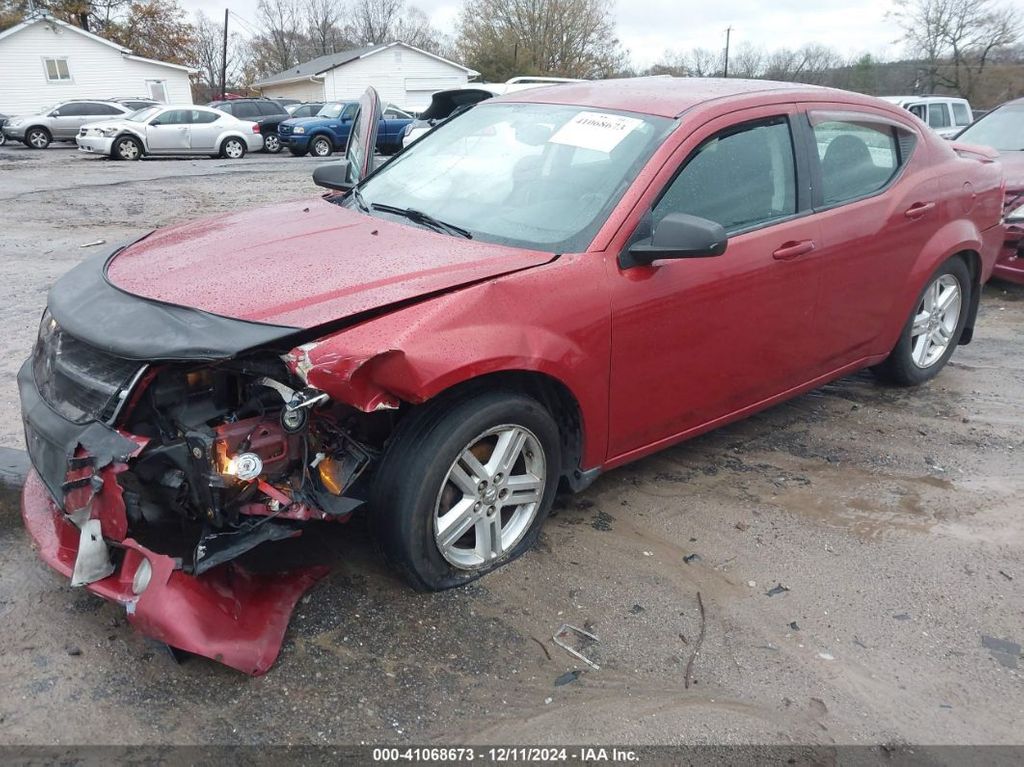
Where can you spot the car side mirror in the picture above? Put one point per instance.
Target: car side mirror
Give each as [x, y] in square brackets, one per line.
[334, 175]
[677, 235]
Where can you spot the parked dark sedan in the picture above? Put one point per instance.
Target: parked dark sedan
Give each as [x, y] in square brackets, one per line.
[267, 113]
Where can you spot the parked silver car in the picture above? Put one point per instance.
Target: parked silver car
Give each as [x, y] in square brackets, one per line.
[173, 130]
[61, 122]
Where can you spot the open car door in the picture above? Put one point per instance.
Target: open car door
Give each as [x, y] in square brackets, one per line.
[363, 138]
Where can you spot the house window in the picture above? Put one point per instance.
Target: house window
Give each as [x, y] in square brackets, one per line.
[57, 69]
[157, 90]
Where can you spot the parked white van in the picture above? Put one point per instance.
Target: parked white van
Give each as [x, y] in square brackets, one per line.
[946, 115]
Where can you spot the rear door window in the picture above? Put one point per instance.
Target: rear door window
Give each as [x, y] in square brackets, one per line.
[938, 116]
[743, 177]
[961, 114]
[857, 155]
[200, 116]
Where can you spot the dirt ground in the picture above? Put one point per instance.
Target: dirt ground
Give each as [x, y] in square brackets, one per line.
[892, 518]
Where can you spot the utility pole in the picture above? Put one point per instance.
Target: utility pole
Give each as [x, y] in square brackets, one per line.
[224, 60]
[725, 68]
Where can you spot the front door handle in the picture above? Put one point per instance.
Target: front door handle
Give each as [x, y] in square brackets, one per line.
[918, 209]
[791, 250]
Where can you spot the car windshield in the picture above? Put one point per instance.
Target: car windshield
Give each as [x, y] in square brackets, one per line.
[141, 115]
[1001, 129]
[539, 176]
[330, 110]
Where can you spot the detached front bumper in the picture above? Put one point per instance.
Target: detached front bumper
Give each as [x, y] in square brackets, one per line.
[1010, 263]
[228, 614]
[95, 144]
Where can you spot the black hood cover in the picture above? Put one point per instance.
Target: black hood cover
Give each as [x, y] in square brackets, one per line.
[89, 308]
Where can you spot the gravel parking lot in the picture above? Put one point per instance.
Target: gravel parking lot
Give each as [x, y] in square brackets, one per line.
[857, 551]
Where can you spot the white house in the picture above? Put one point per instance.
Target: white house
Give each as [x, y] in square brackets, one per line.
[403, 75]
[44, 60]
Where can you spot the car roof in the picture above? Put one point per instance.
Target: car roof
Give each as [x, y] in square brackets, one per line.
[921, 99]
[665, 96]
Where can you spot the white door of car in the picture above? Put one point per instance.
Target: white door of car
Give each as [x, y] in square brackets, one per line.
[170, 132]
[206, 127]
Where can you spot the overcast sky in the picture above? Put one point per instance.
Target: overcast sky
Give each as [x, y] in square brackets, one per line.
[649, 27]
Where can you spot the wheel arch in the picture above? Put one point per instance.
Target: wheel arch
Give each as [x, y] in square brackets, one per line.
[556, 397]
[957, 238]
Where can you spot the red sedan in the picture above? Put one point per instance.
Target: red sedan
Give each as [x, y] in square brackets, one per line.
[543, 288]
[1003, 129]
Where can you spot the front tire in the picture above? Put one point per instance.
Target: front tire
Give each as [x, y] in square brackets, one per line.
[127, 148]
[233, 148]
[933, 329]
[464, 487]
[272, 144]
[38, 138]
[321, 147]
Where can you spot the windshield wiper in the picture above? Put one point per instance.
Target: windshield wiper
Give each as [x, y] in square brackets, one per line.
[419, 217]
[358, 197]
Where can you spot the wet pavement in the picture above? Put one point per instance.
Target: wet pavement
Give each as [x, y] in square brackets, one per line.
[890, 518]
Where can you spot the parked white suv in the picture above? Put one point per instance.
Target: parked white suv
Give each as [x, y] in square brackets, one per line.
[946, 115]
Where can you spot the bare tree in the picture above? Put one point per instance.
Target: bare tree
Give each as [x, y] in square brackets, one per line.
[283, 43]
[323, 27]
[571, 38]
[374, 21]
[956, 39]
[748, 61]
[206, 55]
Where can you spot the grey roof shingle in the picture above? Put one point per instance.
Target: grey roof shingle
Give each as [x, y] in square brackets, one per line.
[319, 64]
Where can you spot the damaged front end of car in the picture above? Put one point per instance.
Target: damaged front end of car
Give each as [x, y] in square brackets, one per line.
[167, 444]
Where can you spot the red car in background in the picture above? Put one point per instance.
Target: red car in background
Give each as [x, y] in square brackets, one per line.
[554, 283]
[1003, 129]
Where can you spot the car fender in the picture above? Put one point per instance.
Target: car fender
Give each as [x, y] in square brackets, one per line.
[137, 135]
[331, 136]
[511, 324]
[956, 236]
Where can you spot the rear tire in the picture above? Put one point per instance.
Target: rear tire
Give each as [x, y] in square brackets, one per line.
[37, 138]
[127, 148]
[321, 147]
[233, 148]
[933, 329]
[446, 509]
[272, 144]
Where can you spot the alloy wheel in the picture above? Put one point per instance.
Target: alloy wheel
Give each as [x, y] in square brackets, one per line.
[321, 148]
[272, 144]
[490, 496]
[935, 320]
[38, 139]
[233, 149]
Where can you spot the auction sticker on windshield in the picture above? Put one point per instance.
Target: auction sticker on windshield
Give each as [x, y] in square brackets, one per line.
[595, 130]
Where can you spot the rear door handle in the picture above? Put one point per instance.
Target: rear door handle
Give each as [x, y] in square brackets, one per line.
[918, 209]
[791, 250]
